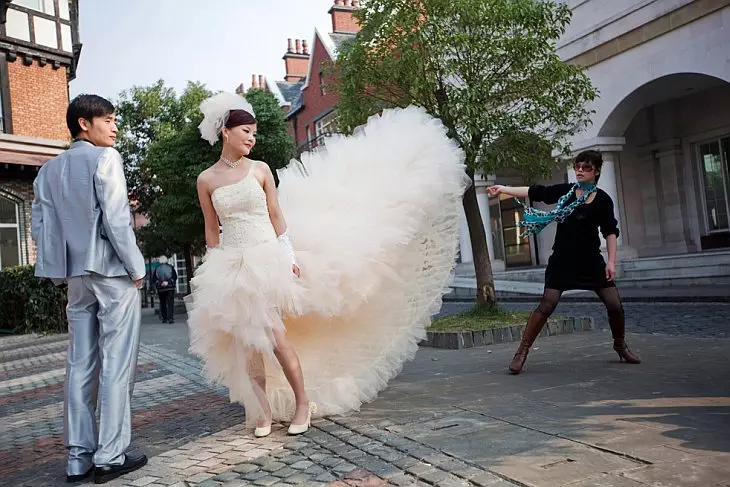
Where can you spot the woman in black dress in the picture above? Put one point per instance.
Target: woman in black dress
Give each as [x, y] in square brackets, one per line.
[576, 263]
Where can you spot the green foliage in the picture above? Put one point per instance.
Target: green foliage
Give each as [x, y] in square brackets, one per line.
[487, 68]
[274, 144]
[143, 113]
[30, 305]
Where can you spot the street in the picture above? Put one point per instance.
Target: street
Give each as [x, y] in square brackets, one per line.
[576, 416]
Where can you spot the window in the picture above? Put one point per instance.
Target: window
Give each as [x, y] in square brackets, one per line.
[322, 84]
[714, 157]
[45, 6]
[9, 234]
[182, 274]
[326, 126]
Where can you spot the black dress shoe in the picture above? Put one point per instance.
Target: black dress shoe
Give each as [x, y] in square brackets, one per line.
[80, 477]
[106, 473]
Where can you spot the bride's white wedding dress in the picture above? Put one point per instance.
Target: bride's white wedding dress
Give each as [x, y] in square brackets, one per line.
[374, 222]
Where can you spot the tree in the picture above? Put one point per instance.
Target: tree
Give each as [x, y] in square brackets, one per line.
[143, 113]
[172, 160]
[274, 144]
[488, 69]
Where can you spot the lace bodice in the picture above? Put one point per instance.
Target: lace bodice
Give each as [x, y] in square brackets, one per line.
[243, 213]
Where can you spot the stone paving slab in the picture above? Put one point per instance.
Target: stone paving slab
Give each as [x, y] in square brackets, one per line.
[576, 417]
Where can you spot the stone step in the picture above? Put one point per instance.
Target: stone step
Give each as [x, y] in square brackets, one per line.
[704, 259]
[679, 272]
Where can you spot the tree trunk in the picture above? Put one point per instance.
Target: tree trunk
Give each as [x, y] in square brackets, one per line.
[480, 251]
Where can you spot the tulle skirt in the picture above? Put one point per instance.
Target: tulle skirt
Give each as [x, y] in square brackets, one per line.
[374, 220]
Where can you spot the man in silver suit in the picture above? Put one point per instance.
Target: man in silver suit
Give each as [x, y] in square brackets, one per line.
[82, 227]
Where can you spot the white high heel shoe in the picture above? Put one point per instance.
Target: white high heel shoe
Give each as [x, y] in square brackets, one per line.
[298, 429]
[262, 431]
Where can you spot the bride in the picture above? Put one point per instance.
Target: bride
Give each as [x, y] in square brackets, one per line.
[314, 313]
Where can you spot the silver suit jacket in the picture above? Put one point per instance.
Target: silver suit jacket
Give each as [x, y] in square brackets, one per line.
[81, 220]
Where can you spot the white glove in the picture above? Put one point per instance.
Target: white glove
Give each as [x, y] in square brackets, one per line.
[284, 240]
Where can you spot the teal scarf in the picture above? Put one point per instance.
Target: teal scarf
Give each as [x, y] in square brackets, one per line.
[534, 220]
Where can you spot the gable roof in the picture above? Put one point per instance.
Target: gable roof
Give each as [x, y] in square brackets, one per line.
[331, 43]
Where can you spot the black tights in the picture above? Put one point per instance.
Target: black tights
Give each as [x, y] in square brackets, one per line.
[549, 301]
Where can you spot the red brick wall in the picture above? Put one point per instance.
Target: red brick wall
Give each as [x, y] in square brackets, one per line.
[296, 68]
[20, 191]
[344, 21]
[38, 97]
[314, 102]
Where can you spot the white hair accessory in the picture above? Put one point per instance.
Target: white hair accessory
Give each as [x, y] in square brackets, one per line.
[215, 113]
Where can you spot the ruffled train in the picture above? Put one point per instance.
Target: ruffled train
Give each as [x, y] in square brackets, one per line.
[374, 220]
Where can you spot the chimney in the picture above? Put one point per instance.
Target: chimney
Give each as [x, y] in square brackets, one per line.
[296, 60]
[262, 82]
[343, 20]
[240, 90]
[254, 82]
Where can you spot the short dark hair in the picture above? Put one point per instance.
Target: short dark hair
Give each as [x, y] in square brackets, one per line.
[87, 107]
[592, 157]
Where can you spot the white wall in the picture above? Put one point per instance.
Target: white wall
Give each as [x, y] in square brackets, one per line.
[700, 47]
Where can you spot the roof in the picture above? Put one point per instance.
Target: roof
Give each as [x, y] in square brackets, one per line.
[290, 90]
[339, 38]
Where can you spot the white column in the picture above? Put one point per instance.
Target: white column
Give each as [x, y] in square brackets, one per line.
[607, 182]
[464, 240]
[483, 200]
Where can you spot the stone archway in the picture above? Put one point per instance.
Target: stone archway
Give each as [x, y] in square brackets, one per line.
[656, 91]
[657, 131]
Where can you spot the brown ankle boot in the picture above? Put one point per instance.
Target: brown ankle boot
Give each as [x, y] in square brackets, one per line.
[532, 330]
[518, 361]
[624, 354]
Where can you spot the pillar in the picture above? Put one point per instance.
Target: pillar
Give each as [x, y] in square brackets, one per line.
[481, 184]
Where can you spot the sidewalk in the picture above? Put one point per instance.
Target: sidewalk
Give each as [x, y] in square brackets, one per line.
[464, 288]
[575, 418]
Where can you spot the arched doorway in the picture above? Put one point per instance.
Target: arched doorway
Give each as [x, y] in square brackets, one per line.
[9, 233]
[674, 164]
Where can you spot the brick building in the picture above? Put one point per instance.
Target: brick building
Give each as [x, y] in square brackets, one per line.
[39, 51]
[303, 95]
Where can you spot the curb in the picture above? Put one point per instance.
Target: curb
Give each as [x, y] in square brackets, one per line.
[457, 340]
[467, 294]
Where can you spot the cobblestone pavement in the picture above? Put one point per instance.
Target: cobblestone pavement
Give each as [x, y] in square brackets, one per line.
[452, 418]
[193, 436]
[687, 319]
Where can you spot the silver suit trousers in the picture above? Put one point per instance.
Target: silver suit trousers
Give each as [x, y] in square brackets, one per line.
[104, 321]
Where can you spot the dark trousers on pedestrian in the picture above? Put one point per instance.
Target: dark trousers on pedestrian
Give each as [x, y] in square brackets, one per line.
[167, 304]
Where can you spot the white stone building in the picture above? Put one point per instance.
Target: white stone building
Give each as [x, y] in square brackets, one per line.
[663, 124]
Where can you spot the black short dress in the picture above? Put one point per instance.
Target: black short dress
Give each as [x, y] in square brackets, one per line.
[576, 262]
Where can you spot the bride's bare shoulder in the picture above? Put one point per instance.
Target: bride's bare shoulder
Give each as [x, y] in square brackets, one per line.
[207, 176]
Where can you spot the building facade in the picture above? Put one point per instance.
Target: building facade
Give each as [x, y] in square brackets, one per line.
[303, 94]
[39, 51]
[662, 122]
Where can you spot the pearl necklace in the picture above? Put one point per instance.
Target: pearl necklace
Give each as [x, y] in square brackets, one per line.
[232, 163]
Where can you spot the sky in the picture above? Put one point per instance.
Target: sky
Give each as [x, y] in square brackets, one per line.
[218, 42]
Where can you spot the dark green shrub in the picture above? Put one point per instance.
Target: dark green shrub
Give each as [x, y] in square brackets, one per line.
[29, 304]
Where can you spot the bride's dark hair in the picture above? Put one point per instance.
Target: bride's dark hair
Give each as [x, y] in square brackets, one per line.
[239, 117]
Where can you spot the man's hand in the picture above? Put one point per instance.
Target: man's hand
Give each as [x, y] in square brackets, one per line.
[610, 271]
[296, 271]
[163, 283]
[138, 283]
